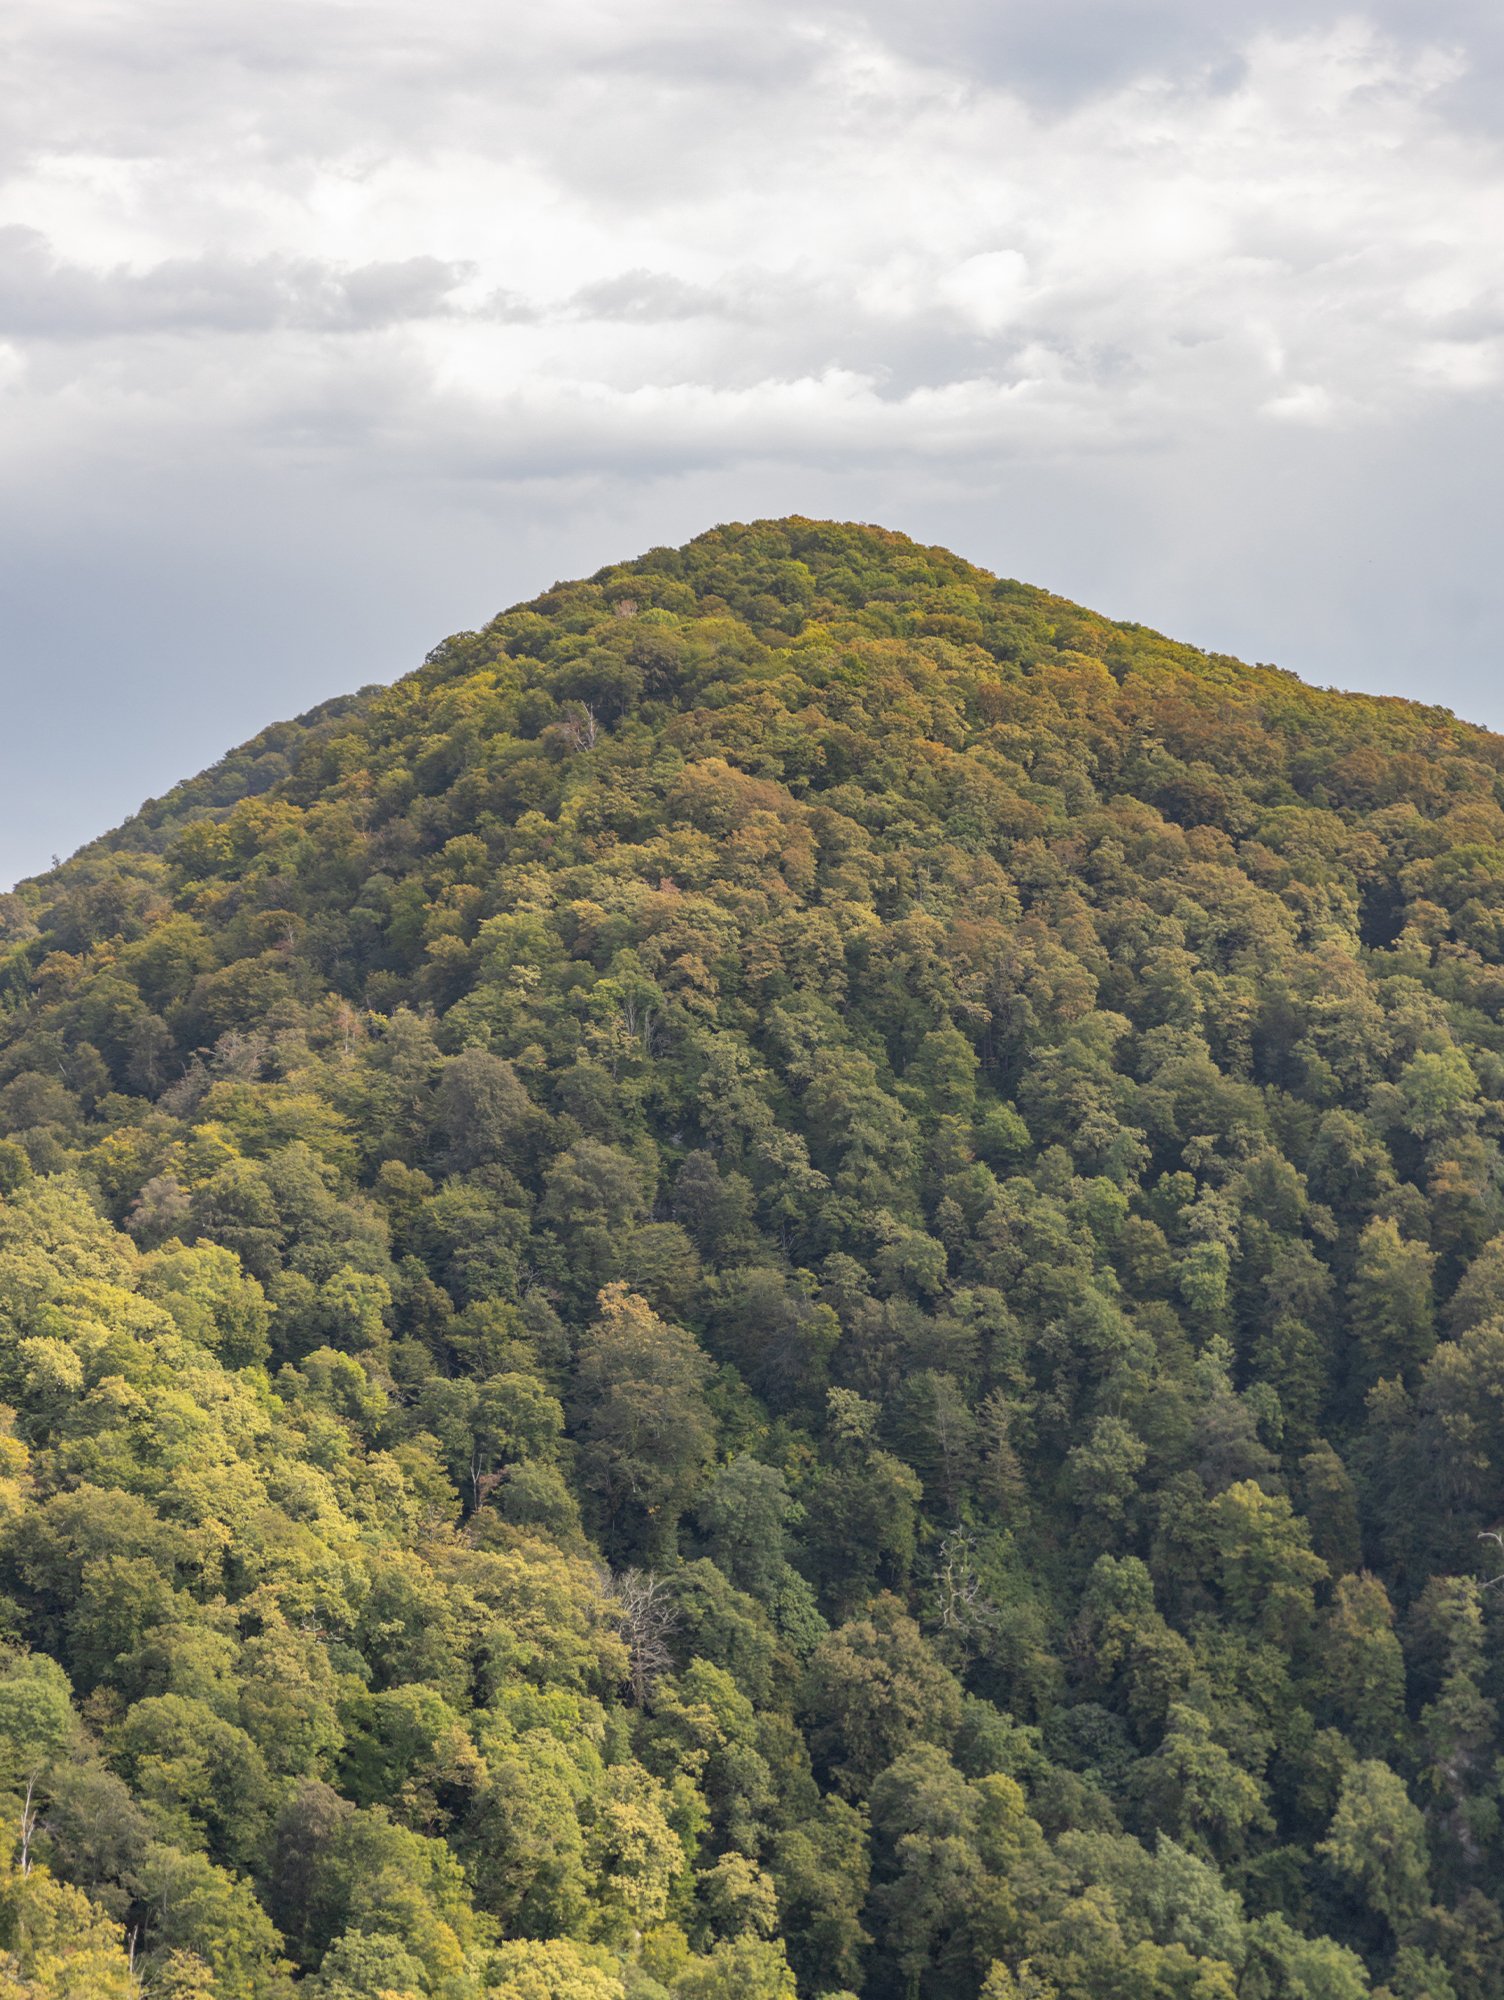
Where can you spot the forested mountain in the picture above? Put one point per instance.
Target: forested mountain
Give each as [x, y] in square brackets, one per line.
[792, 1276]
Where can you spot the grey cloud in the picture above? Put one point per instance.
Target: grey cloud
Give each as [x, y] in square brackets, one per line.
[384, 294]
[510, 309]
[41, 295]
[1070, 50]
[645, 296]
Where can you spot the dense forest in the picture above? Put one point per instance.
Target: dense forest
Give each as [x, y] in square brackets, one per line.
[788, 1280]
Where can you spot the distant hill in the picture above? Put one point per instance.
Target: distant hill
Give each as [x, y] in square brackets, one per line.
[793, 1273]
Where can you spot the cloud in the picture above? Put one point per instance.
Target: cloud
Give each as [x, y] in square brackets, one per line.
[45, 298]
[646, 296]
[536, 284]
[655, 236]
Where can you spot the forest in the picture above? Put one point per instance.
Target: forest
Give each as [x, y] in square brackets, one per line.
[786, 1283]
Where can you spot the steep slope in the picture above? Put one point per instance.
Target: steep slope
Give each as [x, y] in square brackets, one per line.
[948, 1142]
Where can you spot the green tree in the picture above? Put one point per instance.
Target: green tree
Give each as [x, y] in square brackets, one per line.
[37, 1722]
[1377, 1843]
[1103, 1472]
[646, 1433]
[872, 1690]
[1283, 1965]
[931, 1879]
[1392, 1309]
[527, 1970]
[212, 1300]
[200, 1780]
[1331, 1507]
[741, 1511]
[1198, 1791]
[595, 1196]
[1268, 1567]
[821, 1868]
[743, 1969]
[1364, 1669]
[364, 1967]
[1460, 1725]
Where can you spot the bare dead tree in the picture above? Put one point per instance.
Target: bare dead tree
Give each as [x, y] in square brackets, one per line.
[579, 728]
[963, 1611]
[640, 1023]
[28, 1823]
[645, 1615]
[238, 1055]
[1493, 1535]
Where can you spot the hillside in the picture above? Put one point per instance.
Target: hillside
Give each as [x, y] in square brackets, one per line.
[790, 1278]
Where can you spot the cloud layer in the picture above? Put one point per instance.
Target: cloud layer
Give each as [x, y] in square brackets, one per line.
[318, 321]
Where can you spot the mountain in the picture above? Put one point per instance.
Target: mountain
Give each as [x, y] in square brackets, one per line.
[790, 1278]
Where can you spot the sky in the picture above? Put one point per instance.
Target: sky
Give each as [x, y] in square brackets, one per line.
[329, 327]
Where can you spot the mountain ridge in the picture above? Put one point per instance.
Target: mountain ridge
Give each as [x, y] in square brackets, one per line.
[867, 619]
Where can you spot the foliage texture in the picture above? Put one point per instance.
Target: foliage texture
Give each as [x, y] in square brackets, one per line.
[787, 1281]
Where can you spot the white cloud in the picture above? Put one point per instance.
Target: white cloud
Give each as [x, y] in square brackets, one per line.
[635, 223]
[616, 263]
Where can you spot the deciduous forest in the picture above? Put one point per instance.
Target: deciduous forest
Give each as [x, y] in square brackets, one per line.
[789, 1280]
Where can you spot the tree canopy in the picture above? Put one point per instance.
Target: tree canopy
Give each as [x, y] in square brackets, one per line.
[787, 1281]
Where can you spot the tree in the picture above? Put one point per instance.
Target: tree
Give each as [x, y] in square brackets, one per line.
[58, 1945]
[777, 1336]
[632, 1850]
[1440, 1091]
[37, 1721]
[743, 1969]
[522, 1838]
[1392, 1309]
[1103, 1471]
[212, 1300]
[872, 1690]
[1198, 1790]
[1331, 1507]
[1480, 1295]
[736, 1899]
[862, 1515]
[1268, 1566]
[1377, 1843]
[200, 1779]
[197, 1908]
[821, 1870]
[483, 1109]
[1168, 1895]
[528, 1970]
[595, 1196]
[1364, 1667]
[1449, 1476]
[646, 1433]
[931, 1878]
[1002, 1983]
[363, 1966]
[1459, 1726]
[1283, 1965]
[741, 1512]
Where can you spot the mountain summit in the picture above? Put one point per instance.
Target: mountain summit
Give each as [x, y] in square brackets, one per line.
[789, 1278]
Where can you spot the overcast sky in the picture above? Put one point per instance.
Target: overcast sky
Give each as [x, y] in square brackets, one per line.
[328, 327]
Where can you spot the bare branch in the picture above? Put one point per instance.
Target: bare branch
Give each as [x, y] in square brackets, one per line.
[645, 1614]
[1493, 1535]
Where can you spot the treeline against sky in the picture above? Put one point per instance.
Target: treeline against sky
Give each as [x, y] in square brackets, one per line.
[789, 1279]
